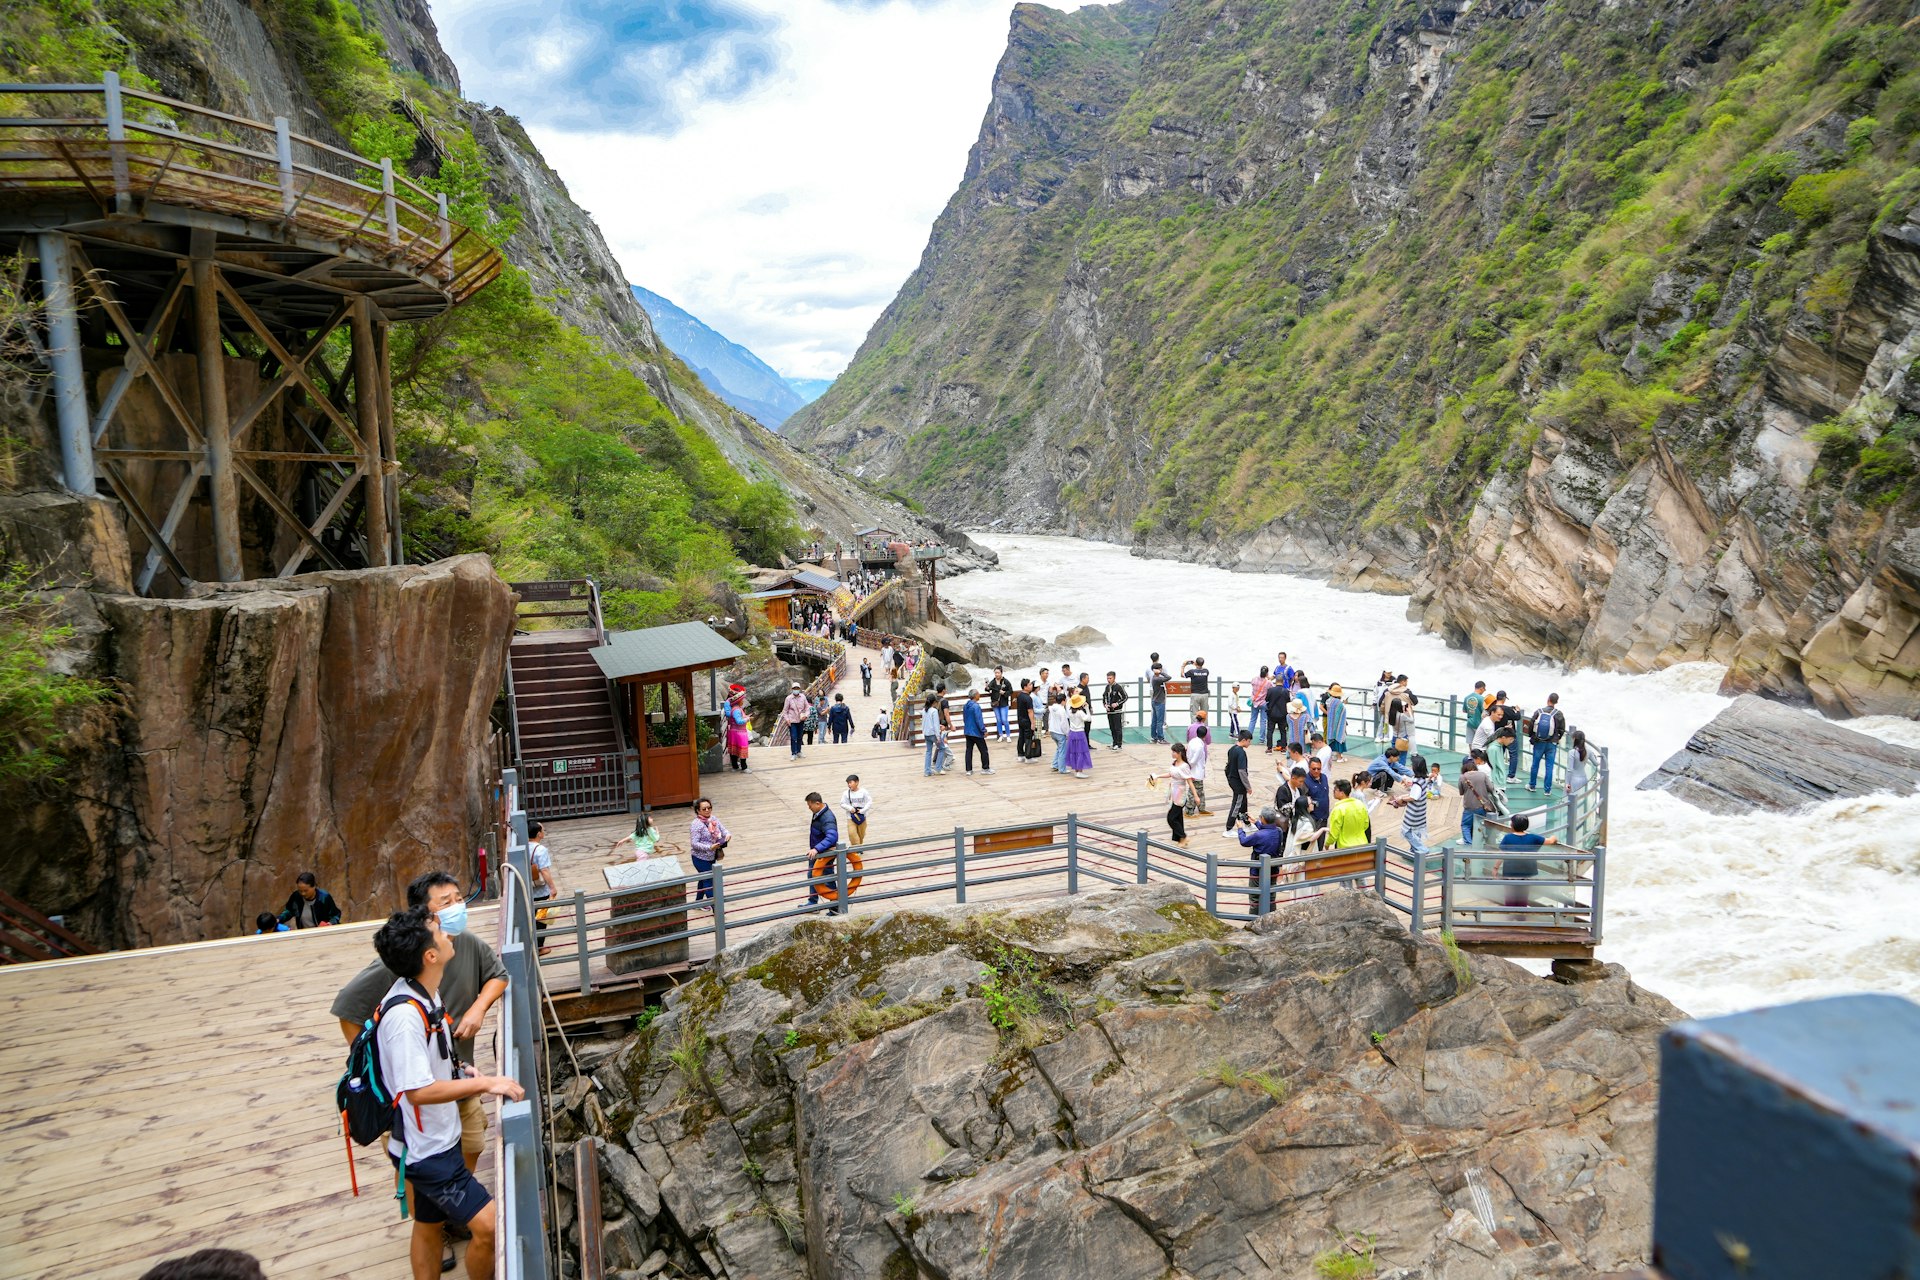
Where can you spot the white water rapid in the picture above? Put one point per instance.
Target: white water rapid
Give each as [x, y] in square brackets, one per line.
[1715, 913]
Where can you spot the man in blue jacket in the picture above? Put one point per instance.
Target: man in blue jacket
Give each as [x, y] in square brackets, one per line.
[973, 723]
[823, 837]
[1264, 841]
[1387, 764]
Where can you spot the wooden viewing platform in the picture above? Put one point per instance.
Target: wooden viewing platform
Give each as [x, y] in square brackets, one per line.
[764, 810]
[179, 1098]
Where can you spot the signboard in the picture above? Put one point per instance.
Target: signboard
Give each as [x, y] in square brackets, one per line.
[579, 764]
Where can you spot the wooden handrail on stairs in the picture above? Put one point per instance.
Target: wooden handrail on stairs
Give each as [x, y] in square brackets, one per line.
[26, 935]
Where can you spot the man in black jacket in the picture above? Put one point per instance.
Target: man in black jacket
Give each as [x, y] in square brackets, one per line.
[310, 906]
[1000, 695]
[1239, 778]
[1277, 696]
[1114, 699]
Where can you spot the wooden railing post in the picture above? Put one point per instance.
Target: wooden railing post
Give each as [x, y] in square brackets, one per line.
[1140, 857]
[117, 142]
[283, 153]
[580, 940]
[1073, 854]
[719, 908]
[960, 864]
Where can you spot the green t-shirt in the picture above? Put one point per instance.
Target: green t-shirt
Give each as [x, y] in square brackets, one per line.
[474, 964]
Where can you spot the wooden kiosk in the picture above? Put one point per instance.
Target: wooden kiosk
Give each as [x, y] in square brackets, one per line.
[652, 671]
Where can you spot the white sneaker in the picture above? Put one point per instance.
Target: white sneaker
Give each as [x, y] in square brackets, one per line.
[986, 771]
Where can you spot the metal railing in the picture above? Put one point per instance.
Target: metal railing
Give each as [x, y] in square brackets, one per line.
[1441, 890]
[126, 149]
[520, 1161]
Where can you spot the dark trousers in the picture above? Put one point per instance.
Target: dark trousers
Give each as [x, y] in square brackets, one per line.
[1117, 726]
[1177, 822]
[703, 865]
[1275, 724]
[840, 735]
[793, 738]
[1238, 809]
[866, 684]
[981, 743]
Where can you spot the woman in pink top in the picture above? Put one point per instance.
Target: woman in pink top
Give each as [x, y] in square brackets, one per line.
[1258, 721]
[1181, 775]
[709, 844]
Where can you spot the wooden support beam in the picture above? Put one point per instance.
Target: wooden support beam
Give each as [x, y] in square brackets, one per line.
[222, 484]
[366, 399]
[296, 367]
[176, 512]
[156, 539]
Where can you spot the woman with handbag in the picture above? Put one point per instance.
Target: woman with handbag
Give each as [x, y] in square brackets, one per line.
[1180, 795]
[708, 843]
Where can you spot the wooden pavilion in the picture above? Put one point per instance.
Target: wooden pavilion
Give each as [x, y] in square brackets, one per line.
[652, 671]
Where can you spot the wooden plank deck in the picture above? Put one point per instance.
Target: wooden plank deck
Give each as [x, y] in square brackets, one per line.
[765, 811]
[180, 1098]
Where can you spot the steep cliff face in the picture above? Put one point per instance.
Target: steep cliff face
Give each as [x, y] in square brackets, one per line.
[1588, 324]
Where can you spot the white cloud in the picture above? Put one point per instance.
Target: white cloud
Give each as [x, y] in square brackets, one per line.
[786, 216]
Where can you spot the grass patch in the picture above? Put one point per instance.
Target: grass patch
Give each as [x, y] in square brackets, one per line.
[1349, 1258]
[1457, 959]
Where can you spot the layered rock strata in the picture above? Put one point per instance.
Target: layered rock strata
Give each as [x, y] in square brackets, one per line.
[1117, 1084]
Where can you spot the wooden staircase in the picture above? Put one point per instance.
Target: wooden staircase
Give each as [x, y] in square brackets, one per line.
[560, 697]
[567, 745]
[26, 935]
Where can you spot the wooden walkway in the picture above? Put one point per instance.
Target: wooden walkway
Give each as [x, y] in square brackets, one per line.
[180, 1098]
[765, 811]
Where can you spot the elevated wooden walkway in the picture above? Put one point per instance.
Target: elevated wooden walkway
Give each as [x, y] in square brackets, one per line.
[174, 1099]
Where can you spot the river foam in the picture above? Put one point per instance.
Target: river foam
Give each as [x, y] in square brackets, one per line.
[1716, 913]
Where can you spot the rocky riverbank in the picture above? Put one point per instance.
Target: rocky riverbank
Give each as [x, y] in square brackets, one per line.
[1117, 1084]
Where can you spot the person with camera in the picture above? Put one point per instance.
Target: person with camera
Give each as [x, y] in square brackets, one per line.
[708, 843]
[858, 803]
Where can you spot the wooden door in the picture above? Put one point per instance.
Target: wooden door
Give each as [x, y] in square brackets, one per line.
[669, 753]
[777, 613]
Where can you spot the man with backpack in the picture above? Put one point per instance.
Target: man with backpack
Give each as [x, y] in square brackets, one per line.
[470, 983]
[1545, 727]
[419, 1070]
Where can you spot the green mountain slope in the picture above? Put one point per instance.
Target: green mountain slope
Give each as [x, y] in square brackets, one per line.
[1586, 321]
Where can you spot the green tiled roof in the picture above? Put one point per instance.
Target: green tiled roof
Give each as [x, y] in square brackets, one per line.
[627, 654]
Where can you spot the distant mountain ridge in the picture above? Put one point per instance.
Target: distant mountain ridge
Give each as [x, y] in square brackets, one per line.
[730, 371]
[809, 389]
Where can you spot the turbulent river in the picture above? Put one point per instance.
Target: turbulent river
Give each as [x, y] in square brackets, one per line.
[1716, 913]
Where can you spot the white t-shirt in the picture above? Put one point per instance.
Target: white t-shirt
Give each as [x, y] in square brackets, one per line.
[410, 1059]
[861, 800]
[542, 859]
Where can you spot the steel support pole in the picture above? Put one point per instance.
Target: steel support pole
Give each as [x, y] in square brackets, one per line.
[69, 374]
[719, 908]
[367, 406]
[211, 353]
[1073, 853]
[960, 864]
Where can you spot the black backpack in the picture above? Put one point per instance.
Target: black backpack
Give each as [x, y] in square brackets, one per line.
[368, 1108]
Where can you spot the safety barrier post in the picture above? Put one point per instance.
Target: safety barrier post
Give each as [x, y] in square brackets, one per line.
[389, 208]
[840, 875]
[117, 142]
[1266, 883]
[1073, 853]
[1140, 857]
[1419, 863]
[960, 864]
[1453, 722]
[1446, 891]
[1213, 884]
[283, 157]
[1380, 867]
[719, 908]
[1599, 887]
[580, 940]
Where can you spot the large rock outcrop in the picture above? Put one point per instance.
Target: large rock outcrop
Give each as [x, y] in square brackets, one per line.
[1405, 296]
[1118, 1085]
[1757, 754]
[335, 722]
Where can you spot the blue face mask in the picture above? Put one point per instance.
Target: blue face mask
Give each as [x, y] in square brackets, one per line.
[453, 918]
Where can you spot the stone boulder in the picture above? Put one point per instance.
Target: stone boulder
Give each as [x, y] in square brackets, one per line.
[1082, 635]
[1117, 1084]
[1758, 754]
[332, 722]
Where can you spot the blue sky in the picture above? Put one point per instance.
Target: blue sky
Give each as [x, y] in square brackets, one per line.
[773, 166]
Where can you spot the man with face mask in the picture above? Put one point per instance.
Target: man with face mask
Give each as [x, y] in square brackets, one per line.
[474, 979]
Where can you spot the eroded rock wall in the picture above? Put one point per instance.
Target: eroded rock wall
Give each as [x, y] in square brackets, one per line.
[1118, 1085]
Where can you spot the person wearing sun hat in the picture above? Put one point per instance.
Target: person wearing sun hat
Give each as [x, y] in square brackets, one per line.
[739, 727]
[1079, 749]
[1333, 710]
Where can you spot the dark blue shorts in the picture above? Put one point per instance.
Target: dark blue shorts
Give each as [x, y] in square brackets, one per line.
[441, 1190]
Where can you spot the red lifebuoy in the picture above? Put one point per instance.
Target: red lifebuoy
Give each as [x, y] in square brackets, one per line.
[823, 870]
